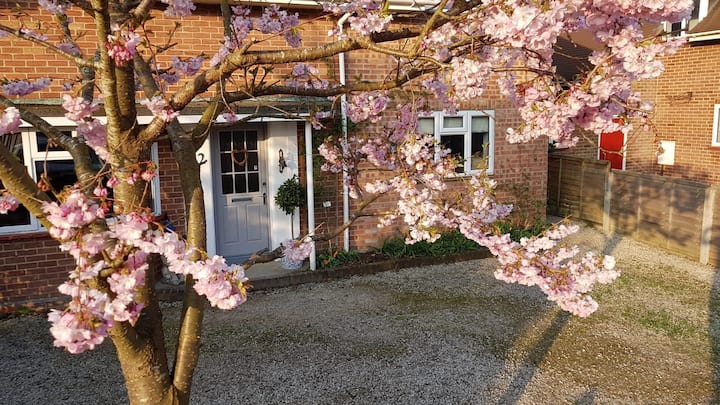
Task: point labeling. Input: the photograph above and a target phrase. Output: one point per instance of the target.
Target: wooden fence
(678, 215)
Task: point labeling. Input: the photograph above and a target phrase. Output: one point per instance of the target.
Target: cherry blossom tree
(444, 55)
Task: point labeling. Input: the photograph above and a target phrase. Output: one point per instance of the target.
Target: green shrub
(337, 258)
(518, 232)
(448, 243)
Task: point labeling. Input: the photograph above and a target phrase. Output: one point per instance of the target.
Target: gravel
(447, 334)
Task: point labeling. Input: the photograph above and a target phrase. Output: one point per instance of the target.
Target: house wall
(31, 270)
(684, 95)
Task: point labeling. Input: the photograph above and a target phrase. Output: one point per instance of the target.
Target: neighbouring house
(684, 141)
(664, 186)
(242, 216)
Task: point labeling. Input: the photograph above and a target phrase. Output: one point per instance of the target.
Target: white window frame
(716, 125)
(702, 6)
(32, 154)
(466, 131)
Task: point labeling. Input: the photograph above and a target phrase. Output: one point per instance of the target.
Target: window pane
(452, 122)
(225, 141)
(253, 182)
(480, 124)
(240, 186)
(61, 173)
(225, 163)
(227, 183)
(44, 144)
(426, 125)
(240, 161)
(252, 161)
(238, 140)
(13, 143)
(479, 144)
(21, 216)
(456, 144)
(252, 140)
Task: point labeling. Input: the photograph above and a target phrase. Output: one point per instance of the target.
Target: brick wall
(202, 33)
(684, 97)
(31, 268)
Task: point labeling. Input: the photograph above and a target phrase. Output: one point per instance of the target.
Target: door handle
(264, 198)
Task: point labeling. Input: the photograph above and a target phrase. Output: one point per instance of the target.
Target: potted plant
(290, 195)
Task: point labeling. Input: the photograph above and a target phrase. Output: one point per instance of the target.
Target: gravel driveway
(447, 334)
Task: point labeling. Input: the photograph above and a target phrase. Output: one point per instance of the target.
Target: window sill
(9, 237)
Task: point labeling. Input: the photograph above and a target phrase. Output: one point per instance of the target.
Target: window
(470, 135)
(41, 157)
(716, 126)
(700, 11)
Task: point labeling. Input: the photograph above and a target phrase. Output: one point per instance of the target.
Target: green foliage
(449, 243)
(518, 232)
(337, 258)
(290, 195)
(525, 220)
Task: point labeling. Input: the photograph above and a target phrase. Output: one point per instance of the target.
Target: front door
(240, 193)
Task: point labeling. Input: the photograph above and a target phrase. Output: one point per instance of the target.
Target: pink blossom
(8, 203)
(10, 121)
(158, 108)
(179, 8)
(24, 87)
(95, 135)
(54, 6)
(297, 251)
(32, 34)
(122, 45)
(78, 108)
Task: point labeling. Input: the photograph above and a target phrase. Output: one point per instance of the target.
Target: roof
(571, 57)
(395, 5)
(709, 24)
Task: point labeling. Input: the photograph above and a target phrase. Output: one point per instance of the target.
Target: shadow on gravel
(533, 359)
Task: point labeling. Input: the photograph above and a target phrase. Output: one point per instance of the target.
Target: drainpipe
(310, 188)
(343, 98)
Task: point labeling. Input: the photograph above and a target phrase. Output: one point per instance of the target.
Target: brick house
(687, 108)
(242, 216)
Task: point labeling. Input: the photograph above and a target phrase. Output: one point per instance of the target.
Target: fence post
(607, 201)
(707, 222)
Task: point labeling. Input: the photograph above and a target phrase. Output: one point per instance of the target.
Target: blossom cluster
(122, 44)
(91, 129)
(273, 21)
(427, 206)
(158, 108)
(179, 8)
(24, 87)
(187, 68)
(8, 203)
(124, 249)
(10, 121)
(306, 76)
(297, 251)
(56, 7)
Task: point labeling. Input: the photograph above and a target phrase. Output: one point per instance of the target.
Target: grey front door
(240, 193)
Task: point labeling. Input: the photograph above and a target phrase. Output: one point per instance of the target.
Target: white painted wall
(281, 135)
(203, 154)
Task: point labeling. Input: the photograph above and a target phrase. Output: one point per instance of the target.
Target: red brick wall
(172, 202)
(31, 268)
(202, 33)
(684, 97)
